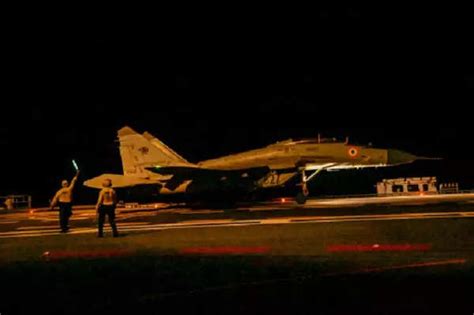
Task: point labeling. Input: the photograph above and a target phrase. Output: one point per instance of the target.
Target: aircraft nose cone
(399, 157)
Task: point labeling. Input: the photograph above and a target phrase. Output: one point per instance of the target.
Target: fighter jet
(149, 163)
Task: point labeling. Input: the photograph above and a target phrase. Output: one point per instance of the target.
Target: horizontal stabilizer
(118, 181)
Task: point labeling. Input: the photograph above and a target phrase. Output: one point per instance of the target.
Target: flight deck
(338, 255)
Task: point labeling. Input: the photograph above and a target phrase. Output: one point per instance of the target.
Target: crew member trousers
(109, 211)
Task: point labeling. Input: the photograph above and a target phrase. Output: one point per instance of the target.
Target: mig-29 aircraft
(150, 164)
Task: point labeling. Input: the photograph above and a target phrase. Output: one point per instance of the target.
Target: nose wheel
(302, 196)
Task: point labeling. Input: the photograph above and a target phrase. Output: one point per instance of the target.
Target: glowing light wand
(75, 165)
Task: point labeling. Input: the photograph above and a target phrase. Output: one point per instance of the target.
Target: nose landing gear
(302, 196)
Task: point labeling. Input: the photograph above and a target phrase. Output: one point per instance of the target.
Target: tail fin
(167, 151)
(140, 151)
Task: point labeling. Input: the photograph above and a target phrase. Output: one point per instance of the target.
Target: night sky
(207, 96)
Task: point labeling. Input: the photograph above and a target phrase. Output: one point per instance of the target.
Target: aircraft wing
(185, 172)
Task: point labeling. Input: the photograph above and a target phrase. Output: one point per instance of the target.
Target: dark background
(395, 78)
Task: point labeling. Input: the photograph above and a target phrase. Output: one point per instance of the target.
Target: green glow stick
(75, 165)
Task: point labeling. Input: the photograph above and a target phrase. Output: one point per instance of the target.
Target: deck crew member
(106, 207)
(63, 199)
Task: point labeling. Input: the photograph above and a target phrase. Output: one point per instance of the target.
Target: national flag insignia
(144, 150)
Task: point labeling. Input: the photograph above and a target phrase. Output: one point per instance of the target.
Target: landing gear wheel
(301, 198)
